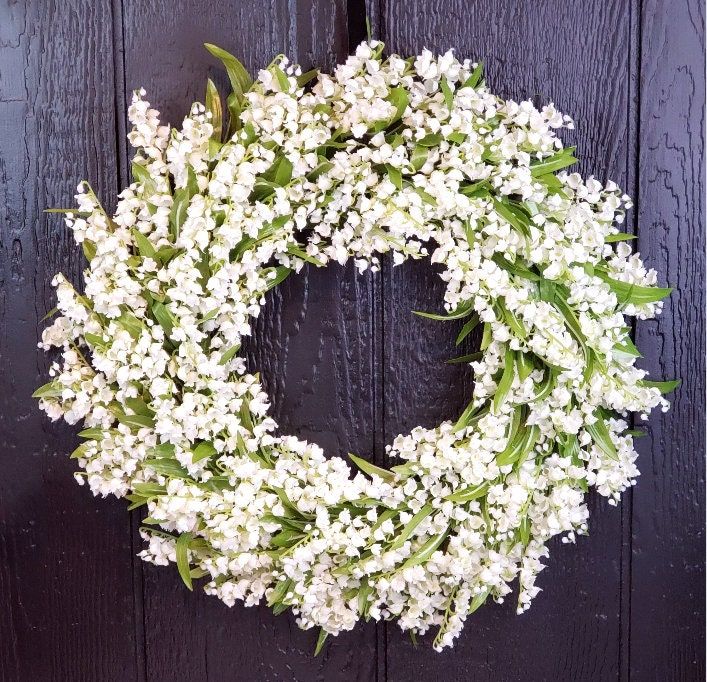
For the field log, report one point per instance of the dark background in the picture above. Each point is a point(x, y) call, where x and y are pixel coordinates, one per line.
point(343, 358)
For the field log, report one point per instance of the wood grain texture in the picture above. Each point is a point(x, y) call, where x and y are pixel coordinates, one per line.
point(577, 55)
point(667, 569)
point(346, 363)
point(312, 344)
point(66, 597)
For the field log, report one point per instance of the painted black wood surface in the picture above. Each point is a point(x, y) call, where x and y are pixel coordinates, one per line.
point(346, 363)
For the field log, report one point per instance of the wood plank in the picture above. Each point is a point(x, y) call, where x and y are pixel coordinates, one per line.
point(578, 56)
point(312, 344)
point(66, 597)
point(667, 577)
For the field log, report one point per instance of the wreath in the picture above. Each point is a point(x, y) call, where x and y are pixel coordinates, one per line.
point(414, 157)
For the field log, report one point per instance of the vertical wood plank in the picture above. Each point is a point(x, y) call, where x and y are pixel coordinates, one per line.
point(312, 344)
point(667, 578)
point(577, 55)
point(66, 597)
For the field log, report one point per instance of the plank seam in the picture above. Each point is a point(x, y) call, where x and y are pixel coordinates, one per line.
point(118, 21)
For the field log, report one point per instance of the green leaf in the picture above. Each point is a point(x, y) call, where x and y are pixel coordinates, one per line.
point(92, 433)
point(143, 178)
point(553, 163)
point(468, 327)
point(237, 74)
point(513, 322)
point(619, 237)
point(139, 406)
point(478, 601)
point(424, 553)
point(213, 105)
point(626, 350)
point(229, 354)
point(399, 98)
point(430, 140)
point(396, 177)
point(306, 77)
point(299, 253)
point(411, 525)
point(464, 310)
point(51, 313)
point(182, 552)
point(476, 189)
point(144, 245)
point(425, 196)
point(524, 364)
point(372, 469)
point(663, 386)
point(281, 274)
point(51, 389)
point(601, 436)
point(517, 268)
point(447, 92)
point(474, 492)
point(514, 217)
point(136, 421)
point(280, 173)
point(475, 76)
point(202, 451)
point(163, 317)
point(471, 357)
point(520, 447)
point(281, 77)
point(180, 203)
point(89, 249)
point(418, 157)
point(547, 386)
point(633, 293)
point(131, 324)
point(323, 634)
point(504, 385)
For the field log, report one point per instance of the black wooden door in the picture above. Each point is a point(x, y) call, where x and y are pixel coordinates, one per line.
point(345, 362)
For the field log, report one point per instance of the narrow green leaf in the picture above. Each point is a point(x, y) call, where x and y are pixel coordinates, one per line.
point(468, 327)
point(51, 389)
point(424, 553)
point(163, 317)
point(634, 293)
point(475, 76)
point(471, 357)
point(144, 245)
point(182, 552)
point(478, 601)
point(663, 386)
point(202, 451)
point(136, 421)
point(229, 354)
point(601, 436)
point(447, 92)
point(213, 105)
point(396, 177)
point(92, 433)
point(553, 163)
point(237, 74)
point(411, 525)
point(468, 494)
point(504, 385)
point(619, 237)
point(460, 312)
point(519, 223)
point(372, 469)
point(323, 634)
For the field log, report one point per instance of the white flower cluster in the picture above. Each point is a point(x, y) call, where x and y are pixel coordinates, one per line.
point(410, 156)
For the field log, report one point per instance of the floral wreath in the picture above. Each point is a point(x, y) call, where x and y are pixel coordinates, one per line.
point(385, 155)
